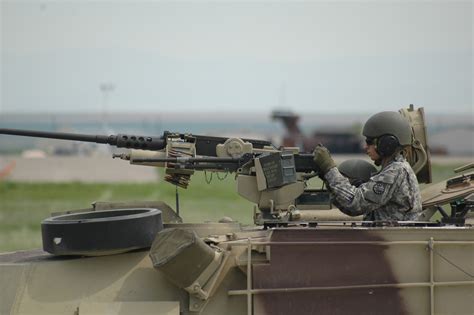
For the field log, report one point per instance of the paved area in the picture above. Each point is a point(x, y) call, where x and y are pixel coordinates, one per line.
point(82, 169)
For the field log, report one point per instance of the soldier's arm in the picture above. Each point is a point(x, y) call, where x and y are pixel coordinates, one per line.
point(367, 197)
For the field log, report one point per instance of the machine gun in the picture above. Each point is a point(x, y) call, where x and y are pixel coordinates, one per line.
point(205, 144)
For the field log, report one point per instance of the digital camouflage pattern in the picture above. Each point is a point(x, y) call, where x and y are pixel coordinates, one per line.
point(390, 195)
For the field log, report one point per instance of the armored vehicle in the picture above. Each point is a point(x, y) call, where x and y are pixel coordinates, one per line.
point(302, 256)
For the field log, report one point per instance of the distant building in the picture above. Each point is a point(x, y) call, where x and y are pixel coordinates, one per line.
point(453, 141)
point(336, 139)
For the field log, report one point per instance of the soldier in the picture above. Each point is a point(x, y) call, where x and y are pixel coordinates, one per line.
point(391, 194)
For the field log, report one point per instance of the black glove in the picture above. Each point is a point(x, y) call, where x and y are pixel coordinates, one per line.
point(323, 159)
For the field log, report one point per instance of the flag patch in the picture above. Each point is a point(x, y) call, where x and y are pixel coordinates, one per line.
point(379, 188)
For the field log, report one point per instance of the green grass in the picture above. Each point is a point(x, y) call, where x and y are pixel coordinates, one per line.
point(24, 205)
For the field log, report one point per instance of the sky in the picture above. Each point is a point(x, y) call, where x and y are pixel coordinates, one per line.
point(243, 56)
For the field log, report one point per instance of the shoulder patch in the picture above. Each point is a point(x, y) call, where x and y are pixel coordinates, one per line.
point(379, 188)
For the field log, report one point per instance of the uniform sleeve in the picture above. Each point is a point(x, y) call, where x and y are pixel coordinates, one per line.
point(367, 197)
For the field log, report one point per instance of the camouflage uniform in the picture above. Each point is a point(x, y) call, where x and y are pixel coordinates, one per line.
point(390, 195)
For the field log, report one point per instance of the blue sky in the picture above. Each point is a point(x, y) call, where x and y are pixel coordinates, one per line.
point(318, 57)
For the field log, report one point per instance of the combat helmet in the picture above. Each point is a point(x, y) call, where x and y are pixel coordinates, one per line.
point(358, 171)
point(390, 130)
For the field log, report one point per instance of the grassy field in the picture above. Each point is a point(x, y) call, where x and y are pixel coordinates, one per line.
point(24, 205)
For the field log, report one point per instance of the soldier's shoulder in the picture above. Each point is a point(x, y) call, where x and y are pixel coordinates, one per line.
point(390, 173)
point(401, 165)
point(396, 166)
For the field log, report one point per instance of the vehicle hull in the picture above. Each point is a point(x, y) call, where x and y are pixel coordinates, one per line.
point(333, 269)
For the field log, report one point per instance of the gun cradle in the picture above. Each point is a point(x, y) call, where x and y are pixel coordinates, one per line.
point(273, 199)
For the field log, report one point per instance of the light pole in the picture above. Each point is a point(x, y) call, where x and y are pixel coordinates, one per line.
point(106, 88)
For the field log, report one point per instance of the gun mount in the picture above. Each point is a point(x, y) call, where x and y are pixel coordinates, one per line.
point(293, 264)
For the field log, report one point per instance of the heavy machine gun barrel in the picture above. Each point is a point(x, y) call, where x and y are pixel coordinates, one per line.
point(120, 140)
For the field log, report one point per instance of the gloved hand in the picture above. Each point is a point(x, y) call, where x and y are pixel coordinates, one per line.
point(323, 159)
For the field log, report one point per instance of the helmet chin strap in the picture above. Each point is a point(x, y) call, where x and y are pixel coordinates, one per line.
point(378, 162)
point(385, 161)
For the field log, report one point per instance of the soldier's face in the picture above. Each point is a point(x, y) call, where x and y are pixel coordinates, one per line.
point(371, 152)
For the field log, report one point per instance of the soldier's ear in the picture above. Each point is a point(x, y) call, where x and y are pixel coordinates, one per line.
point(386, 145)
